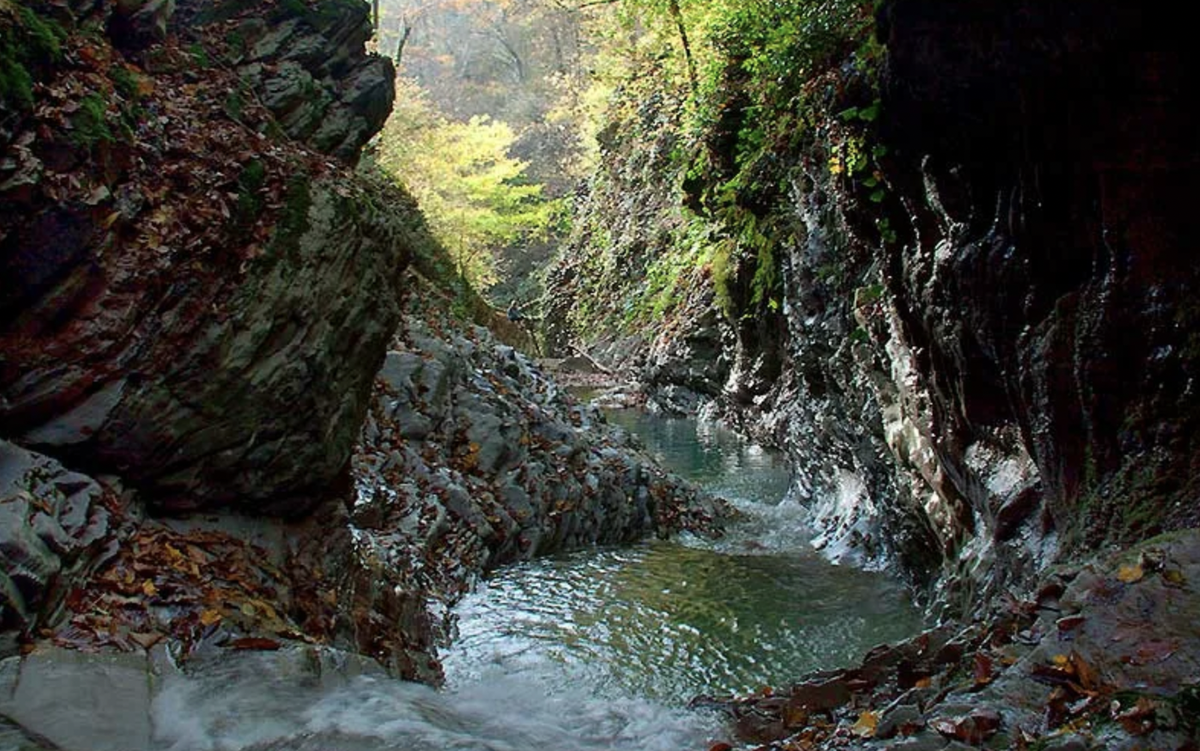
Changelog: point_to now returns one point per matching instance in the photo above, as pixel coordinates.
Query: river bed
(596, 650)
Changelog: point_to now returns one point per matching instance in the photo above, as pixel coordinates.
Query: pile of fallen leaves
(159, 148)
(188, 586)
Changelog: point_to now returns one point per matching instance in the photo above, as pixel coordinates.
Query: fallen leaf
(254, 642)
(865, 727)
(149, 589)
(925, 682)
(1138, 719)
(1153, 650)
(1130, 574)
(209, 617)
(145, 640)
(982, 669)
(1069, 623)
(1089, 679)
(974, 728)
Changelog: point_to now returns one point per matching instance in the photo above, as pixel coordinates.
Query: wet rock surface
(949, 364)
(69, 700)
(472, 457)
(54, 524)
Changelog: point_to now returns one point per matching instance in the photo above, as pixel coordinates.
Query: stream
(598, 649)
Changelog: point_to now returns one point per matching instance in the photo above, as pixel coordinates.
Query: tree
(475, 196)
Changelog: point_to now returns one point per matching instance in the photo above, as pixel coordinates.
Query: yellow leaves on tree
(474, 195)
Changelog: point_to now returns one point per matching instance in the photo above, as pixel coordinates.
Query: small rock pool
(669, 620)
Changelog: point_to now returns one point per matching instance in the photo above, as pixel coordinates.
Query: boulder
(137, 24)
(207, 387)
(311, 70)
(187, 302)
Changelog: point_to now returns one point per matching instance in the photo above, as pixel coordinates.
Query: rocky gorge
(228, 423)
(240, 430)
(922, 276)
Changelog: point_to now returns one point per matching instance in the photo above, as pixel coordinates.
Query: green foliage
(90, 122)
(124, 81)
(475, 196)
(43, 36)
(235, 104)
(28, 41)
(722, 268)
(294, 222)
(249, 197)
(16, 85)
(199, 55)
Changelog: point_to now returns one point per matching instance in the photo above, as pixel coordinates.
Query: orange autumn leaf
(209, 617)
(865, 727)
(1130, 574)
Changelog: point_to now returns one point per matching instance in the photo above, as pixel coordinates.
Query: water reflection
(669, 620)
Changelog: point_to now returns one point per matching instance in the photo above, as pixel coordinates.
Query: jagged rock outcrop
(306, 64)
(204, 321)
(53, 523)
(964, 256)
(472, 458)
(1047, 286)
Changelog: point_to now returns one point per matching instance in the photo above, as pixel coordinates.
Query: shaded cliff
(205, 306)
(947, 271)
(1048, 282)
(193, 299)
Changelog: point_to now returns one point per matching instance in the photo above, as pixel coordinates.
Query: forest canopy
(500, 101)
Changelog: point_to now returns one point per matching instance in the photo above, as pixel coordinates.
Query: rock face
(953, 366)
(1037, 182)
(203, 321)
(1100, 658)
(471, 457)
(52, 526)
(307, 66)
(1048, 285)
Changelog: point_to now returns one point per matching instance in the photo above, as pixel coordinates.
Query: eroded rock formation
(980, 362)
(187, 302)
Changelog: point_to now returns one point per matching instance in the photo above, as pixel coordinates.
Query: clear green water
(595, 651)
(670, 620)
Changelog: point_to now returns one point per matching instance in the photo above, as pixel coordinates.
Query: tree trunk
(677, 15)
(404, 35)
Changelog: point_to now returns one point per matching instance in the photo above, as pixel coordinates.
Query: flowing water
(600, 649)
(669, 620)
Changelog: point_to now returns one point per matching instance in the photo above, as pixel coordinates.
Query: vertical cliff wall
(981, 358)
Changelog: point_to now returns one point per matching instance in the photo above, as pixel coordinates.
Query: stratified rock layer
(980, 355)
(52, 527)
(471, 458)
(195, 306)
